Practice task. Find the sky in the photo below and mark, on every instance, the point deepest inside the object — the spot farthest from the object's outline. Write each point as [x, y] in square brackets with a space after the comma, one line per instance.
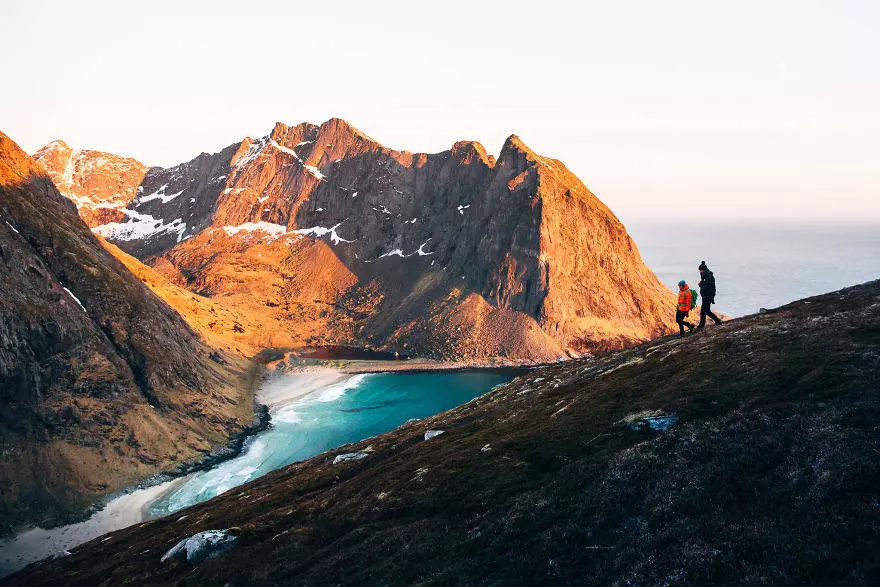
[751, 110]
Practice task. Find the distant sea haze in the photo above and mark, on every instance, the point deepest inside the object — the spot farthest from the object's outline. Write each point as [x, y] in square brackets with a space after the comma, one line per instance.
[760, 265]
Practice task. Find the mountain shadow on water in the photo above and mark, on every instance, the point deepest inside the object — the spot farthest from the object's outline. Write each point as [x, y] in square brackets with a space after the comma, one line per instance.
[743, 454]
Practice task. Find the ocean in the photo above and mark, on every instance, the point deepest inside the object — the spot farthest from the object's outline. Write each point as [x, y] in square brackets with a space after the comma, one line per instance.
[760, 265]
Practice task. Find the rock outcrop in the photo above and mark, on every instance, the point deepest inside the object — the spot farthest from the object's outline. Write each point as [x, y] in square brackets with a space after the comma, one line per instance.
[101, 383]
[743, 454]
[100, 184]
[450, 255]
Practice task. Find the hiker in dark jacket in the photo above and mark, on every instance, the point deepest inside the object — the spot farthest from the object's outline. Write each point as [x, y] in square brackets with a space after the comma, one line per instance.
[707, 291]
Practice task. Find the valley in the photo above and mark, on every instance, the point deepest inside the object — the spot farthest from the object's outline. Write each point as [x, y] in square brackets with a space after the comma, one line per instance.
[451, 350]
[169, 288]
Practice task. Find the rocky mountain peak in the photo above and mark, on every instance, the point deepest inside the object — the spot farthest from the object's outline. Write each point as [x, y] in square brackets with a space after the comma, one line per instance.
[516, 156]
[497, 254]
[470, 151]
[341, 127]
[100, 184]
[56, 145]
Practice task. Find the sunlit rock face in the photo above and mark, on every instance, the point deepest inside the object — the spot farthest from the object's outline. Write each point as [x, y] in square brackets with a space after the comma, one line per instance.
[100, 184]
[334, 238]
[101, 382]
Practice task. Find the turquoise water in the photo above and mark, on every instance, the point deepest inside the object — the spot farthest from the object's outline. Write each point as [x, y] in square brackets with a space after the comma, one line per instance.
[352, 410]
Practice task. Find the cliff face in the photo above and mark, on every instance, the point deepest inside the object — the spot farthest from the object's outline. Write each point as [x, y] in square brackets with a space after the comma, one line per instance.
[100, 184]
[101, 383]
[449, 255]
[743, 454]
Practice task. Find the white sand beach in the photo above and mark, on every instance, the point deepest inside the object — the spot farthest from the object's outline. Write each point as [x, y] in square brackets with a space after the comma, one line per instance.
[37, 543]
[280, 389]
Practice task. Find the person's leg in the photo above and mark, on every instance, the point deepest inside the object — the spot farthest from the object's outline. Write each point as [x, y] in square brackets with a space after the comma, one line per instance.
[688, 324]
[707, 308]
[704, 310]
[680, 319]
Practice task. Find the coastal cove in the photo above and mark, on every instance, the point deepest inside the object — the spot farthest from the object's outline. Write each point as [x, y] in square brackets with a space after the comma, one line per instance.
[311, 411]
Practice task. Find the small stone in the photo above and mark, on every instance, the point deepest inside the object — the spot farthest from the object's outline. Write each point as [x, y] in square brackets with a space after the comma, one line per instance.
[350, 456]
[432, 433]
[202, 546]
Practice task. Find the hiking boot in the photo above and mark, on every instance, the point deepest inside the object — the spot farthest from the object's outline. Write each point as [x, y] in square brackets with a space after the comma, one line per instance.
[690, 328]
[717, 322]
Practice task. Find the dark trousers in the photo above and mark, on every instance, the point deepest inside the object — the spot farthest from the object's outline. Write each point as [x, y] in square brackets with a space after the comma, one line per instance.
[706, 310]
[680, 318]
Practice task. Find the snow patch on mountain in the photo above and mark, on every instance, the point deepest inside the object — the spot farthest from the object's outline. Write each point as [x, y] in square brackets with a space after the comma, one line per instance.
[394, 253]
[284, 149]
[319, 231]
[315, 172]
[253, 152]
[87, 202]
[139, 227]
[75, 299]
[159, 194]
[273, 230]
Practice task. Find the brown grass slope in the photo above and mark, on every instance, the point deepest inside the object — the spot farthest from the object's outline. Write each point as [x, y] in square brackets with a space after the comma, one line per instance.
[220, 325]
[98, 396]
[769, 475]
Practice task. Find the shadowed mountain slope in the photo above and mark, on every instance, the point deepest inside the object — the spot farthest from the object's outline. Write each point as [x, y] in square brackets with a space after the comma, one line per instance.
[744, 454]
[101, 383]
[450, 255]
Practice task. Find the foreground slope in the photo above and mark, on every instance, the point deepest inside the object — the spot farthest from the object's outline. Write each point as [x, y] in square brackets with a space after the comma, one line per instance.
[101, 383]
[744, 454]
[451, 255]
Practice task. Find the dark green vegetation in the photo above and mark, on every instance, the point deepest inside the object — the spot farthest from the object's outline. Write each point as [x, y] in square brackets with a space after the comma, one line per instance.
[771, 474]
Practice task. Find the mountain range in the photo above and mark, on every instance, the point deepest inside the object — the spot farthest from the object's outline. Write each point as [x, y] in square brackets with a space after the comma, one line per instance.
[133, 296]
[320, 235]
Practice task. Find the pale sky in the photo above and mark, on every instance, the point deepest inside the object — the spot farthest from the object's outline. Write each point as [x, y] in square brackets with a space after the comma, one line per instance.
[749, 109]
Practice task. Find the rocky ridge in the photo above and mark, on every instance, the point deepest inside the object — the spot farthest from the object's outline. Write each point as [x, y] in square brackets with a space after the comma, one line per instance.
[451, 255]
[101, 383]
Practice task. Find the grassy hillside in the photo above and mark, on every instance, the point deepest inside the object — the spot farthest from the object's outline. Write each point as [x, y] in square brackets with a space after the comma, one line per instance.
[744, 454]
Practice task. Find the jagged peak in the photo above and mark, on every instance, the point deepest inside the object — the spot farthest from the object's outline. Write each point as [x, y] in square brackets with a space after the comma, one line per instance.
[466, 149]
[55, 144]
[278, 130]
[339, 125]
[516, 144]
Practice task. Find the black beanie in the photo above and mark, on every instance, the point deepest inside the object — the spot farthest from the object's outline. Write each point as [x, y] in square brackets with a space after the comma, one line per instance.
[702, 266]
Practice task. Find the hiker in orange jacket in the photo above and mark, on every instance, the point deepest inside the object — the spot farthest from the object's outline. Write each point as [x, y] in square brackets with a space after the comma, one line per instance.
[685, 299]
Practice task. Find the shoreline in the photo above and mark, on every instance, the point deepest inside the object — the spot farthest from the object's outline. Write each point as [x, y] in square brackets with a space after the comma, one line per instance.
[281, 388]
[291, 363]
[131, 505]
[124, 510]
[275, 389]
